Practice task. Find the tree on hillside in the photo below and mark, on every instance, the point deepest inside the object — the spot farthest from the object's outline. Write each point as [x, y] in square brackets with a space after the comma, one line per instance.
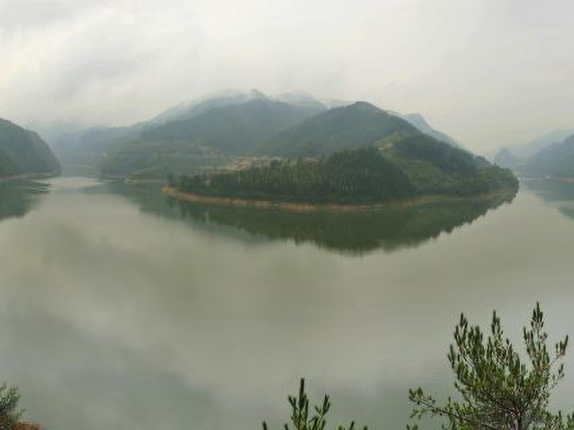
[303, 418]
[497, 389]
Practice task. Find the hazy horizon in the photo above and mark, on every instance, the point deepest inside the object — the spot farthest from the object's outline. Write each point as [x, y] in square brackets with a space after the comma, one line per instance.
[485, 72]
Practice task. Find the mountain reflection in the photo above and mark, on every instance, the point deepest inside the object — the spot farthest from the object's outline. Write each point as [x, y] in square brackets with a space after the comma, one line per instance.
[17, 199]
[349, 233]
[559, 194]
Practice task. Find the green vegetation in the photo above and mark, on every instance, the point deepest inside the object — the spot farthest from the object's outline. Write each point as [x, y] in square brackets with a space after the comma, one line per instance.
[207, 133]
[404, 167]
[23, 151]
[358, 125]
[203, 140]
[496, 389]
[408, 164]
[304, 418]
[435, 167]
[359, 176]
[236, 129]
[9, 412]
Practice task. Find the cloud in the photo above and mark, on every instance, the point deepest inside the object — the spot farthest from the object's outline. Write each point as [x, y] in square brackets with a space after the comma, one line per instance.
[485, 71]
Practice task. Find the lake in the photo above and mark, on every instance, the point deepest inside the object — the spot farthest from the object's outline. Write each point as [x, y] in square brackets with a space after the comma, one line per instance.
[121, 308]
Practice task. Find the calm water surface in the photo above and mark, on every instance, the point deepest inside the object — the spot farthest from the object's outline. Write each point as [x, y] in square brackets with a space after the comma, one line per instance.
[120, 308]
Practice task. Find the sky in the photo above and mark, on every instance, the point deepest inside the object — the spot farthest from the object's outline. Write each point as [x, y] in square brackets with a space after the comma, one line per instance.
[487, 72]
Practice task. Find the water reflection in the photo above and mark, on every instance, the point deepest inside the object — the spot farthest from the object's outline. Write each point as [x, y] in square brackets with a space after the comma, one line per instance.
[559, 194]
[117, 311]
[17, 199]
[348, 233]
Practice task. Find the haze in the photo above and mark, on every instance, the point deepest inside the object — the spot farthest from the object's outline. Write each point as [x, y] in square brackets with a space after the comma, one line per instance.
[487, 72]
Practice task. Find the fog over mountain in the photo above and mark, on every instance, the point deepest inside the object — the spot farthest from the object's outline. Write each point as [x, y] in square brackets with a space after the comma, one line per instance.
[489, 72]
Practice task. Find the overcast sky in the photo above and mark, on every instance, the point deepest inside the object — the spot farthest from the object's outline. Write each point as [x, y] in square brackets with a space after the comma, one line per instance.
[485, 71]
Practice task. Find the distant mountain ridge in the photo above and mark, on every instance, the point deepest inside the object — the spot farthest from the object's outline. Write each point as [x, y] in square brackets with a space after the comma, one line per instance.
[525, 150]
[549, 155]
[204, 132]
[24, 152]
[417, 120]
[556, 160]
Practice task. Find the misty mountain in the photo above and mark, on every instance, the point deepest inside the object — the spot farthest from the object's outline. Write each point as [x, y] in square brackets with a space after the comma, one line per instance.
[228, 130]
[208, 130]
[236, 129]
[302, 99]
[417, 120]
[195, 108]
[24, 152]
[556, 160]
[524, 150]
[95, 139]
[506, 159]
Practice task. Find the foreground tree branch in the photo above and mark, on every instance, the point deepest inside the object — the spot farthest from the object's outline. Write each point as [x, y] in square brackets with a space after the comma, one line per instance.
[305, 418]
[496, 389]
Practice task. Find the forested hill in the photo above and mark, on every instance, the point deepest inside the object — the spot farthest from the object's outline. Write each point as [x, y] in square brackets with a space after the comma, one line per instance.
[211, 132]
[412, 166]
[235, 128]
[220, 132]
[24, 152]
[358, 125]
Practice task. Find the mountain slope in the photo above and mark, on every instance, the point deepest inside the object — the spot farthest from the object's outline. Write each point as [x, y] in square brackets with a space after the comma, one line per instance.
[522, 151]
[436, 167]
[505, 158]
[358, 125]
[233, 128]
[422, 125]
[557, 160]
[195, 108]
[206, 139]
[24, 152]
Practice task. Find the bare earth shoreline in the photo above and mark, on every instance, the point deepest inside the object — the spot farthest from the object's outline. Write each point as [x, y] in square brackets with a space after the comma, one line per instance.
[311, 207]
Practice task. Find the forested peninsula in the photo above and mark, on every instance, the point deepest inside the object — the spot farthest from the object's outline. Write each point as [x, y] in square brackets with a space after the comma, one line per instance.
[409, 169]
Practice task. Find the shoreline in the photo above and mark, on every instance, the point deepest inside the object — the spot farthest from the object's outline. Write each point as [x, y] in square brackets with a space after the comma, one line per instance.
[565, 179]
[28, 176]
[326, 207]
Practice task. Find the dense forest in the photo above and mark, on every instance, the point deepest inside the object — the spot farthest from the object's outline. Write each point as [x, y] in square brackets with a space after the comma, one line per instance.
[359, 176]
[349, 127]
[410, 167]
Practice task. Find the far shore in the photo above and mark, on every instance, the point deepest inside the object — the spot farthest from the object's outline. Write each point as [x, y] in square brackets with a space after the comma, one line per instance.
[314, 207]
[28, 176]
[548, 178]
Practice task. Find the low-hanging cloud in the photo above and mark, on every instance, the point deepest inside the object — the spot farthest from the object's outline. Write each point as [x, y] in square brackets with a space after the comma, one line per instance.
[486, 71]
